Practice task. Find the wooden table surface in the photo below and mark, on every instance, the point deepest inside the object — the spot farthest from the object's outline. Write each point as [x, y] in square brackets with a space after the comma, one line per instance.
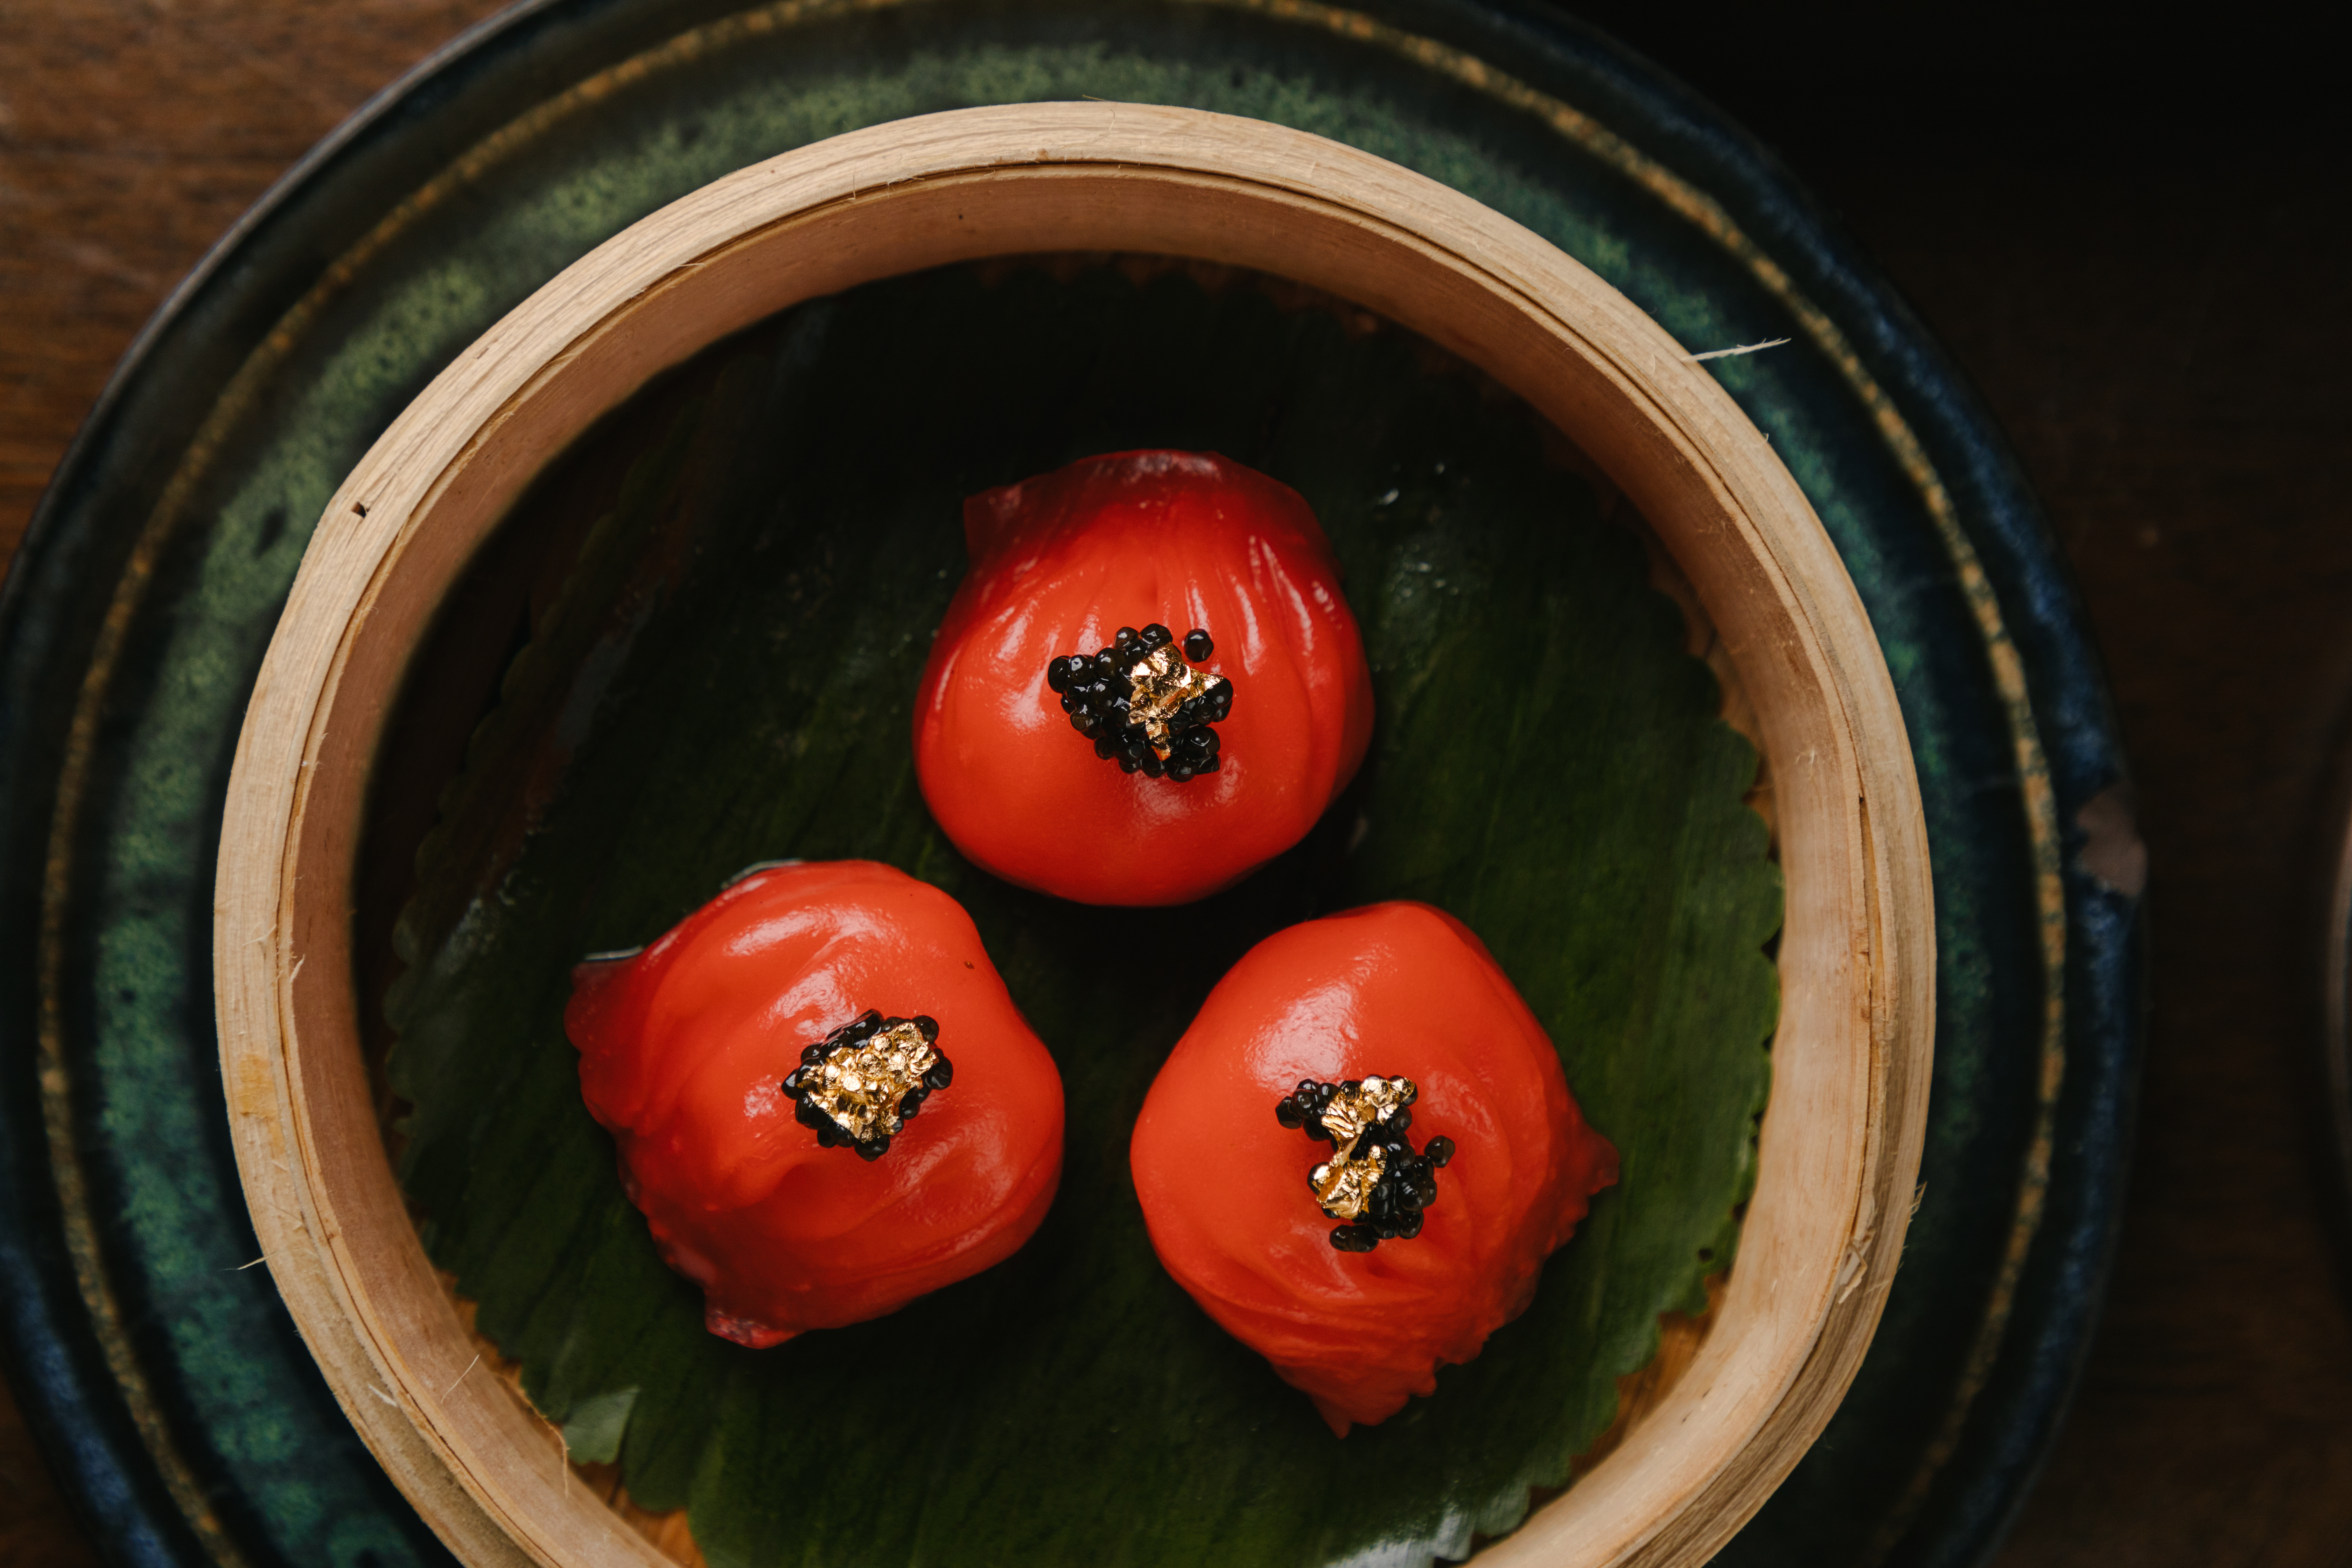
[2133, 243]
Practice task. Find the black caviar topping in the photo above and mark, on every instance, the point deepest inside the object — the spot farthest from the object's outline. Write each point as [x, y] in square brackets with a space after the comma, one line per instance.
[1143, 708]
[881, 1071]
[1378, 1187]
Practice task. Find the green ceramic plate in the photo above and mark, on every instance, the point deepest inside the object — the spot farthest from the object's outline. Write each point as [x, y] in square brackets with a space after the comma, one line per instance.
[185, 1411]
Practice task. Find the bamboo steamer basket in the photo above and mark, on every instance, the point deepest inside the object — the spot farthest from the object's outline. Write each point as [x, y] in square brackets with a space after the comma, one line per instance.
[1840, 1140]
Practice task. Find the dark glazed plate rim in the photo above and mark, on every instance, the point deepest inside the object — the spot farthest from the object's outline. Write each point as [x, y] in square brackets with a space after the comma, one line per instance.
[1987, 1441]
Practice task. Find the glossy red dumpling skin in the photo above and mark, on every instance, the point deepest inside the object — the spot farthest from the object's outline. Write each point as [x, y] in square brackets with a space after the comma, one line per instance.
[683, 1050]
[1394, 990]
[1059, 563]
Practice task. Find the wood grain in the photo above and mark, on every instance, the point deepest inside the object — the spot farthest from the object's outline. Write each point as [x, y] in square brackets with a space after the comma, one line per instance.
[36, 1530]
[2135, 260]
[133, 133]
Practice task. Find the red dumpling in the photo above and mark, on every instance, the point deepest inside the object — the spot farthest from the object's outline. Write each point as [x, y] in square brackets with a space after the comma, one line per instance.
[1358, 1264]
[1203, 742]
[825, 1102]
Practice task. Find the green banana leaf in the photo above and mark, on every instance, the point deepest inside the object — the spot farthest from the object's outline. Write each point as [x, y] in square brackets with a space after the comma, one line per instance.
[727, 676]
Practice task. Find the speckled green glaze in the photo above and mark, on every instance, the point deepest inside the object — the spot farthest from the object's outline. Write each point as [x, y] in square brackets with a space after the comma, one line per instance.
[434, 252]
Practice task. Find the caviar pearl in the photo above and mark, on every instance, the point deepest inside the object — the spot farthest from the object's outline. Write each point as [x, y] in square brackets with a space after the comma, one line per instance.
[1372, 1114]
[1145, 710]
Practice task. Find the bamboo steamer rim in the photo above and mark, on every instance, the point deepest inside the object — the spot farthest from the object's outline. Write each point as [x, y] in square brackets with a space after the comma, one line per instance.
[1841, 1135]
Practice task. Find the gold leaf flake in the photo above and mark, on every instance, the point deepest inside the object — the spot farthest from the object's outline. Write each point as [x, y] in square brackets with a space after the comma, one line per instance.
[1163, 684]
[860, 1088]
[1354, 1111]
[1344, 1184]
